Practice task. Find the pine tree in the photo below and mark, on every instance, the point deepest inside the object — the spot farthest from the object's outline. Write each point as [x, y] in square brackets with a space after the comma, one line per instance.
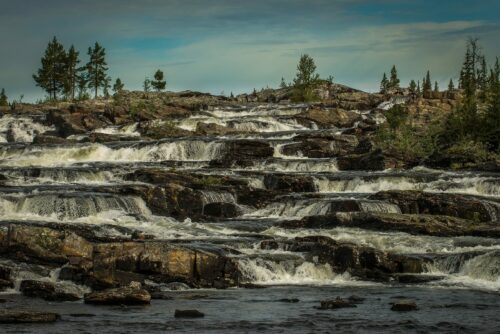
[146, 85]
[413, 87]
[418, 88]
[394, 81]
[96, 67]
[52, 75]
[82, 83]
[118, 86]
[306, 79]
[3, 99]
[468, 74]
[106, 86]
[427, 85]
[158, 83]
[436, 89]
[283, 83]
[451, 86]
[384, 84]
[72, 70]
[482, 78]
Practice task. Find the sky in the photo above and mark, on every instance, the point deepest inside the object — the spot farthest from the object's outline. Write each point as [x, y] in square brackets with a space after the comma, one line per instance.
[234, 46]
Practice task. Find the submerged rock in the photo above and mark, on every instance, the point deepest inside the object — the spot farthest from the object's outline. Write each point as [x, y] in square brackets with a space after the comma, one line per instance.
[131, 295]
[336, 303]
[16, 316]
[188, 314]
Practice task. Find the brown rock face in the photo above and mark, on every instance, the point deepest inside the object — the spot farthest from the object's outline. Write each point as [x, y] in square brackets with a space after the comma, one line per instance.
[119, 296]
[243, 153]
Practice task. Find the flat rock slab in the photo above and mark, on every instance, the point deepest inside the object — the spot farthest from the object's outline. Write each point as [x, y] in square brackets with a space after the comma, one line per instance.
[13, 316]
[119, 296]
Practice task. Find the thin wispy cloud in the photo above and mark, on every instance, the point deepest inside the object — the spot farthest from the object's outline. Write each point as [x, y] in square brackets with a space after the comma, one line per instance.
[225, 45]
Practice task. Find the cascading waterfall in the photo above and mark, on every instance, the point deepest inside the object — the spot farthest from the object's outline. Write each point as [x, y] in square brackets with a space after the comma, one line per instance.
[67, 207]
[195, 150]
[467, 185]
[20, 129]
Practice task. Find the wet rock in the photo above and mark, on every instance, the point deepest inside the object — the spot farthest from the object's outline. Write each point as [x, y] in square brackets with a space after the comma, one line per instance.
[213, 129]
[321, 146]
[119, 296]
[243, 153]
[16, 316]
[48, 139]
[5, 278]
[77, 121]
[221, 210]
[188, 314]
[47, 291]
[417, 278]
[404, 306]
[356, 299]
[45, 244]
[289, 183]
[336, 303]
[374, 160]
[456, 205]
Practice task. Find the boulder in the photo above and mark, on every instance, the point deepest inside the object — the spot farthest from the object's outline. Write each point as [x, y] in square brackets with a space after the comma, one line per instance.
[47, 291]
[16, 316]
[404, 306]
[119, 296]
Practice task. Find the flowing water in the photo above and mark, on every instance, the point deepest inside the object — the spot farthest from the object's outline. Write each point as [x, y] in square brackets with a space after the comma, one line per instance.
[74, 184]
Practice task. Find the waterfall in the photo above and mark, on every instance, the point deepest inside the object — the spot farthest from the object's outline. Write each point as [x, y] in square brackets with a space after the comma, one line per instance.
[20, 129]
[290, 271]
[184, 150]
[66, 207]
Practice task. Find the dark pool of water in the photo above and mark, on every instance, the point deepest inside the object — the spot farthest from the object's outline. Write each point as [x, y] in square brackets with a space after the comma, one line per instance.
[263, 310]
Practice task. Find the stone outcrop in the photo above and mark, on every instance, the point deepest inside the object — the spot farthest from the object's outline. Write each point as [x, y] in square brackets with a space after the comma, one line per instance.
[47, 291]
[444, 226]
[374, 160]
[321, 146]
[112, 264]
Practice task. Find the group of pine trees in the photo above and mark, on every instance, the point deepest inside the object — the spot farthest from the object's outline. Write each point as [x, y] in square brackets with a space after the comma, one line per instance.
[3, 99]
[478, 117]
[426, 90]
[61, 75]
[392, 83]
[159, 83]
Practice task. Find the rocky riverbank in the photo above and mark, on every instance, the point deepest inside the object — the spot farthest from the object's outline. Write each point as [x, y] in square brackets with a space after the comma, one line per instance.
[127, 200]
